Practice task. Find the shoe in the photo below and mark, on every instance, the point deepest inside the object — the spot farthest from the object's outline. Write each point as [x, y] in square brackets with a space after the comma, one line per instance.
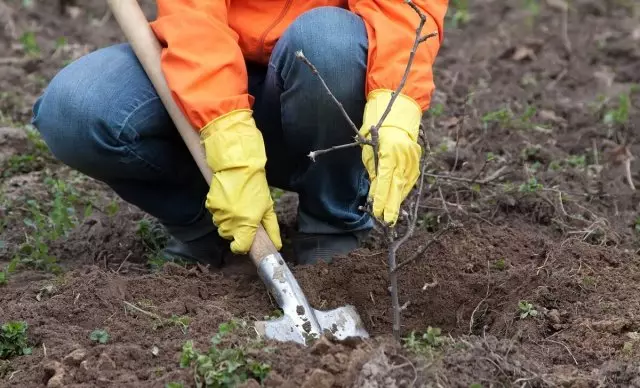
[209, 249]
[312, 248]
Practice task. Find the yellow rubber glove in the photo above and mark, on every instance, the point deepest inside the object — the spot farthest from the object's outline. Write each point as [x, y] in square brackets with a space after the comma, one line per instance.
[398, 155]
[239, 197]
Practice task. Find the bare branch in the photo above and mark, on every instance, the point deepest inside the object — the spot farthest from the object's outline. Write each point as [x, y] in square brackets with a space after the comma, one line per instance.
[314, 154]
[423, 248]
[412, 54]
[314, 70]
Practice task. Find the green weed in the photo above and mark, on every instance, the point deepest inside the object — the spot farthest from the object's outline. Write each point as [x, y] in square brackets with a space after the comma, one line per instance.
[526, 309]
[424, 343]
[276, 193]
[7, 271]
[505, 117]
[618, 115]
[154, 240]
[29, 43]
[48, 226]
[99, 336]
[577, 161]
[500, 264]
[531, 186]
[222, 366]
[458, 13]
[13, 339]
[34, 159]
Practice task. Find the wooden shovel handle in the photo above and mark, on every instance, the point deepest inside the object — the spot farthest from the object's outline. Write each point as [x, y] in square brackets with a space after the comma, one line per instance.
[135, 26]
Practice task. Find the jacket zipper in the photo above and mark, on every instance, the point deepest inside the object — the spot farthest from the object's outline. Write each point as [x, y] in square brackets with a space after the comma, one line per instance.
[271, 27]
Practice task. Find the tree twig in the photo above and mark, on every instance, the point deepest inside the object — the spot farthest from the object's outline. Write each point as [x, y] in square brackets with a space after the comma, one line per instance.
[314, 154]
[314, 70]
[423, 248]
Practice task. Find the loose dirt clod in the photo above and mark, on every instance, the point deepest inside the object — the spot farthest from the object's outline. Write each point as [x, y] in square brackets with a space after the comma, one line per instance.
[55, 373]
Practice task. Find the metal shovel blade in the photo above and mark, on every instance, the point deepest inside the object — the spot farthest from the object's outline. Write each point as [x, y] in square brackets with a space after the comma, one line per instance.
[300, 322]
[342, 323]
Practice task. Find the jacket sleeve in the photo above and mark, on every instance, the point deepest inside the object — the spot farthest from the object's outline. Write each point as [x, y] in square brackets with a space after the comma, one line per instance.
[391, 28]
[201, 59]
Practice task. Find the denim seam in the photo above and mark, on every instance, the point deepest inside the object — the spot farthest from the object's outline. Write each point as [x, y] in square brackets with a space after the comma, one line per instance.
[137, 135]
[134, 111]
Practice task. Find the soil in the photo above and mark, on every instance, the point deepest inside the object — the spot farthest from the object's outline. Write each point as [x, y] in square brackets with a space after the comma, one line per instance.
[483, 244]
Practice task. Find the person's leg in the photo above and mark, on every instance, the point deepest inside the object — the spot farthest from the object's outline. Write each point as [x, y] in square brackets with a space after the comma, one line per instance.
[101, 116]
[297, 116]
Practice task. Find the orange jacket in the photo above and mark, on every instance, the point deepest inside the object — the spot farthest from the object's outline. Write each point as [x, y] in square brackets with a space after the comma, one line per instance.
[206, 42]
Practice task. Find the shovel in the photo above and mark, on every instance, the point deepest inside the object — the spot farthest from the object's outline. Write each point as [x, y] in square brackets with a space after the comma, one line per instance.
[300, 322]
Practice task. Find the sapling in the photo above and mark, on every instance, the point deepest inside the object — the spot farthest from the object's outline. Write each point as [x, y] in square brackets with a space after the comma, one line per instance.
[390, 232]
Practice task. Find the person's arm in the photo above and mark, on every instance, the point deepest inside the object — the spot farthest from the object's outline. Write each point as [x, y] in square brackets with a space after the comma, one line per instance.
[206, 72]
[391, 29]
[201, 60]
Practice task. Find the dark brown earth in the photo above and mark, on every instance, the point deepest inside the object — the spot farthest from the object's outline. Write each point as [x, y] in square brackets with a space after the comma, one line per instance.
[570, 248]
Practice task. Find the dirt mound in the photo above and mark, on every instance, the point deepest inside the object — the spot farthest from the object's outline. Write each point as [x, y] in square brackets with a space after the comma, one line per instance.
[584, 316]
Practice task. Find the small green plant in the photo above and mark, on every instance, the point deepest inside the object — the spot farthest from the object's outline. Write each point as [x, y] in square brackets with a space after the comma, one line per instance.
[577, 161]
[620, 114]
[48, 226]
[555, 165]
[29, 43]
[181, 321]
[13, 340]
[275, 314]
[7, 271]
[424, 343]
[531, 186]
[174, 385]
[459, 13]
[526, 309]
[154, 240]
[222, 366]
[636, 225]
[500, 264]
[34, 158]
[502, 116]
[533, 8]
[429, 221]
[276, 193]
[436, 110]
[112, 208]
[100, 336]
[505, 117]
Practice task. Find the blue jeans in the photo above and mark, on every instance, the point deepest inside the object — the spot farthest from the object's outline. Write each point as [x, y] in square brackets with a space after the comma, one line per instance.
[101, 116]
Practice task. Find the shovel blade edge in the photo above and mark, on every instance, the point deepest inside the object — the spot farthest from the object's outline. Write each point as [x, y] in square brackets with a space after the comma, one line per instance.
[341, 323]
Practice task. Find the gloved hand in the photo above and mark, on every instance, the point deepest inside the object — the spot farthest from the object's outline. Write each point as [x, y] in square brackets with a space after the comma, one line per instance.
[239, 197]
[398, 155]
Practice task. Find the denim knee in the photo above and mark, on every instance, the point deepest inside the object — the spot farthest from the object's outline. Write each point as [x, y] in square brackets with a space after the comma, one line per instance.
[335, 41]
[81, 115]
